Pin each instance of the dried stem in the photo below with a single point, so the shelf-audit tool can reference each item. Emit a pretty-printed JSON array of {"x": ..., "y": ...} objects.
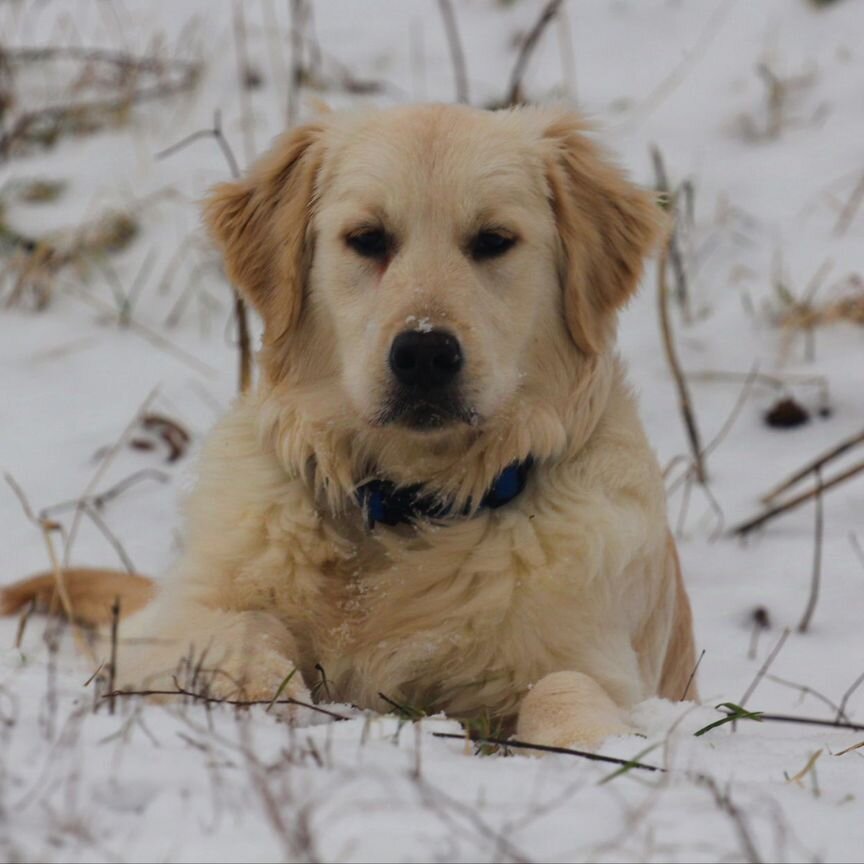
[
  {"x": 457, "y": 55},
  {"x": 815, "y": 582},
  {"x": 815, "y": 465},
  {"x": 676, "y": 258},
  {"x": 675, "y": 366},
  {"x": 545, "y": 748},
  {"x": 792, "y": 503},
  {"x": 529, "y": 43},
  {"x": 241, "y": 316},
  {"x": 212, "y": 700},
  {"x": 763, "y": 669}
]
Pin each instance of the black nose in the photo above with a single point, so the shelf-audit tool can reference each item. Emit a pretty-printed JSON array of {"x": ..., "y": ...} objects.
[{"x": 425, "y": 361}]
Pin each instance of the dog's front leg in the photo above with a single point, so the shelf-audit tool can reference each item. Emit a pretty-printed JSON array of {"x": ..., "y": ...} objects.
[
  {"x": 569, "y": 709},
  {"x": 226, "y": 654}
]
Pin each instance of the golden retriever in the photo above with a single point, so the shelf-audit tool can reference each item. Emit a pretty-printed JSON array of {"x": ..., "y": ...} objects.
[{"x": 440, "y": 490}]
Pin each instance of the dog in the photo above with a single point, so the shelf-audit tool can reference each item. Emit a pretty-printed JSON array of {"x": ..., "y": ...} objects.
[{"x": 440, "y": 490}]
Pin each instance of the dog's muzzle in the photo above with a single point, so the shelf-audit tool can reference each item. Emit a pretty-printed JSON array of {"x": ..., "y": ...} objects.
[{"x": 426, "y": 367}]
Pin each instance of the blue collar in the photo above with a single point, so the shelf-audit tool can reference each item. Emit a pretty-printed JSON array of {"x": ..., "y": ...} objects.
[{"x": 385, "y": 502}]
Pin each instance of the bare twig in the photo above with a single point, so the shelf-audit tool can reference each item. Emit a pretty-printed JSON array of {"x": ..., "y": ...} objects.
[
  {"x": 692, "y": 676},
  {"x": 241, "y": 316},
  {"x": 725, "y": 803},
  {"x": 457, "y": 55},
  {"x": 236, "y": 703},
  {"x": 544, "y": 748},
  {"x": 792, "y": 503},
  {"x": 815, "y": 465},
  {"x": 529, "y": 43},
  {"x": 841, "y": 710},
  {"x": 675, "y": 367},
  {"x": 763, "y": 669},
  {"x": 815, "y": 582},
  {"x": 806, "y": 690}
]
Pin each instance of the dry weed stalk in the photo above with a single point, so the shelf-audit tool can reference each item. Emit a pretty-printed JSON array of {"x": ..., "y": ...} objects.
[
  {"x": 684, "y": 401},
  {"x": 241, "y": 315},
  {"x": 457, "y": 55},
  {"x": 515, "y": 94}
]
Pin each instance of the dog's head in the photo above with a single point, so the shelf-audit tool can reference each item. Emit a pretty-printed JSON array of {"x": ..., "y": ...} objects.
[{"x": 431, "y": 267}]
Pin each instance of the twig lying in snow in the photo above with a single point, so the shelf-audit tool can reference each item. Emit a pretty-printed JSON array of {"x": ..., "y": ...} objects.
[
  {"x": 792, "y": 503},
  {"x": 806, "y": 690},
  {"x": 241, "y": 316},
  {"x": 236, "y": 703},
  {"x": 529, "y": 43},
  {"x": 544, "y": 748},
  {"x": 684, "y": 402},
  {"x": 814, "y": 465},
  {"x": 457, "y": 55},
  {"x": 733, "y": 715}
]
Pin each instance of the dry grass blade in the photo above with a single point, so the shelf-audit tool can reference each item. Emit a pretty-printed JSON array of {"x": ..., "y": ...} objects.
[{"x": 544, "y": 748}]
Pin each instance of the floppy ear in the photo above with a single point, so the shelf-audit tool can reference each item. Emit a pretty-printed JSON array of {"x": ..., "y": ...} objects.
[
  {"x": 607, "y": 226},
  {"x": 261, "y": 224}
]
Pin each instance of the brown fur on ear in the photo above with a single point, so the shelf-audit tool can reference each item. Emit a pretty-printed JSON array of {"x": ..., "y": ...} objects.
[
  {"x": 261, "y": 224},
  {"x": 607, "y": 226}
]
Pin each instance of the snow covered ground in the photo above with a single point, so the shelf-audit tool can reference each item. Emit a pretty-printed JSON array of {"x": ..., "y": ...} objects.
[{"x": 760, "y": 106}]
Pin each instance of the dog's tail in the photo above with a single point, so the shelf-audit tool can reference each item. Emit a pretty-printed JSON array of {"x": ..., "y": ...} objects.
[{"x": 85, "y": 594}]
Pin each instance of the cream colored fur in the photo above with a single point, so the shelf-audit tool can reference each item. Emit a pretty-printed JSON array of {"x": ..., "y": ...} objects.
[{"x": 558, "y": 609}]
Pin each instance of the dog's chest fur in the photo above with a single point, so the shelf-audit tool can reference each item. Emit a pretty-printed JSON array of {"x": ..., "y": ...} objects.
[{"x": 448, "y": 617}]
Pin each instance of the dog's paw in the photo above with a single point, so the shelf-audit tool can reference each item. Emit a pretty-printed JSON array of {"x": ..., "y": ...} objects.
[{"x": 569, "y": 709}]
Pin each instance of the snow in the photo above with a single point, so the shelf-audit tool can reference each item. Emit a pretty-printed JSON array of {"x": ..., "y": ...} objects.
[{"x": 183, "y": 783}]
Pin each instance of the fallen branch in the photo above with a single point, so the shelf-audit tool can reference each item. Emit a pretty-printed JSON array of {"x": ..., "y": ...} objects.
[
  {"x": 545, "y": 748},
  {"x": 213, "y": 700},
  {"x": 815, "y": 465},
  {"x": 791, "y": 504}
]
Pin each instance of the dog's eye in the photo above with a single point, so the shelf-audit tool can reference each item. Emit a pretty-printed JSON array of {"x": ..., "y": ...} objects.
[
  {"x": 370, "y": 243},
  {"x": 491, "y": 244}
]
